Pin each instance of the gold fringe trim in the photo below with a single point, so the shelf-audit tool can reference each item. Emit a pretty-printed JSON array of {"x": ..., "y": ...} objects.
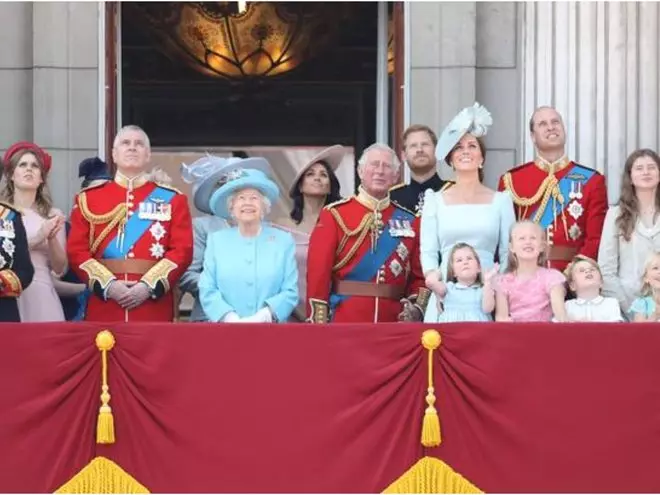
[
  {"x": 431, "y": 425},
  {"x": 431, "y": 475},
  {"x": 105, "y": 425},
  {"x": 102, "y": 476}
]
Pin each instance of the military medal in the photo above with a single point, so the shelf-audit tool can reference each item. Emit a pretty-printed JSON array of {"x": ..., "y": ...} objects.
[
  {"x": 574, "y": 232},
  {"x": 420, "y": 203},
  {"x": 7, "y": 229},
  {"x": 155, "y": 210},
  {"x": 575, "y": 210},
  {"x": 9, "y": 247},
  {"x": 396, "y": 268},
  {"x": 157, "y": 231},
  {"x": 407, "y": 229},
  {"x": 395, "y": 228},
  {"x": 157, "y": 250},
  {"x": 402, "y": 251}
]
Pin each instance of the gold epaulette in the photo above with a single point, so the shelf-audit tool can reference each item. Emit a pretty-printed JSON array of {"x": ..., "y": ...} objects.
[
  {"x": 168, "y": 187},
  {"x": 447, "y": 185},
  {"x": 397, "y": 186},
  {"x": 402, "y": 208},
  {"x": 337, "y": 203}
]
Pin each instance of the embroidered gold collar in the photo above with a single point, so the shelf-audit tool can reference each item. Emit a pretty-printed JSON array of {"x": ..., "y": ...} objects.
[
  {"x": 130, "y": 183},
  {"x": 365, "y": 199},
  {"x": 552, "y": 167}
]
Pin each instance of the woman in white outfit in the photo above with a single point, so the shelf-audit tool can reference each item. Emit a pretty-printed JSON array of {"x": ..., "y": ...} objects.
[{"x": 632, "y": 228}]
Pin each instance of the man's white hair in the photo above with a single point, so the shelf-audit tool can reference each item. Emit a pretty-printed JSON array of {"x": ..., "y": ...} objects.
[
  {"x": 266, "y": 205},
  {"x": 131, "y": 127},
  {"x": 396, "y": 163}
]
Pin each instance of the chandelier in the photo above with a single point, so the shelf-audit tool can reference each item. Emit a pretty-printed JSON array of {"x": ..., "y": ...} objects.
[{"x": 256, "y": 39}]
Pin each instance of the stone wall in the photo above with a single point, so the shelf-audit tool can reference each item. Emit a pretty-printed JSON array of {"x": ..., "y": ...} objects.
[
  {"x": 464, "y": 52},
  {"x": 49, "y": 84}
]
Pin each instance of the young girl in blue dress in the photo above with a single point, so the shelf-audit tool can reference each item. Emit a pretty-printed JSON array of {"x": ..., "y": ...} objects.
[{"x": 468, "y": 294}]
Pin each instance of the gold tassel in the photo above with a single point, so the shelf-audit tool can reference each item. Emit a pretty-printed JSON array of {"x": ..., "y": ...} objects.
[
  {"x": 105, "y": 425},
  {"x": 102, "y": 476},
  {"x": 431, "y": 426},
  {"x": 431, "y": 475}
]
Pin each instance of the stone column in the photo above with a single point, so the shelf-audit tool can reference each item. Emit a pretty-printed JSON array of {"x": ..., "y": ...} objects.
[
  {"x": 443, "y": 62},
  {"x": 498, "y": 84},
  {"x": 65, "y": 89},
  {"x": 464, "y": 52},
  {"x": 597, "y": 63},
  {"x": 15, "y": 73}
]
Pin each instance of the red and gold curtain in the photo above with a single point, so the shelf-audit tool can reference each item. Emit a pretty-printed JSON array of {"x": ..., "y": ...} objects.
[{"x": 300, "y": 408}]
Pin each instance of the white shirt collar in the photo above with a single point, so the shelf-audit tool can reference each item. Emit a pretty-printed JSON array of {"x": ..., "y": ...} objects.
[{"x": 591, "y": 302}]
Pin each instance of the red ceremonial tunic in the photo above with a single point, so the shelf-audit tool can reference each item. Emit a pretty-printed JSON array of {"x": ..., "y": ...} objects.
[
  {"x": 340, "y": 240},
  {"x": 158, "y": 257},
  {"x": 579, "y": 228}
]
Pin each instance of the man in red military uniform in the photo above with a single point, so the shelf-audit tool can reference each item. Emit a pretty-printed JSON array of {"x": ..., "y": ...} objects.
[
  {"x": 363, "y": 263},
  {"x": 567, "y": 199},
  {"x": 130, "y": 239}
]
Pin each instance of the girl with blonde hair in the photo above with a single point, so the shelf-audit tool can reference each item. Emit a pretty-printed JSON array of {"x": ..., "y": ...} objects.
[
  {"x": 529, "y": 291},
  {"x": 646, "y": 307}
]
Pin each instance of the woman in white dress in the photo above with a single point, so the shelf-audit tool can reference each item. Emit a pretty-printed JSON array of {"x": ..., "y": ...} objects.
[
  {"x": 466, "y": 212},
  {"x": 315, "y": 186},
  {"x": 631, "y": 231}
]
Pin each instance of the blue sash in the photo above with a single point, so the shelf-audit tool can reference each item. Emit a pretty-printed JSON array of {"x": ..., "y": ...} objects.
[
  {"x": 367, "y": 268},
  {"x": 135, "y": 227},
  {"x": 577, "y": 173}
]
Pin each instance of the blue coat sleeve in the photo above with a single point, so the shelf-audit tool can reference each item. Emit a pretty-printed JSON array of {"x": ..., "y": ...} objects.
[
  {"x": 284, "y": 302},
  {"x": 210, "y": 297}
]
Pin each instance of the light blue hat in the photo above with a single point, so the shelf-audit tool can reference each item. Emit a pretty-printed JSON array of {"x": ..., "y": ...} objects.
[
  {"x": 475, "y": 119},
  {"x": 235, "y": 178},
  {"x": 205, "y": 173}
]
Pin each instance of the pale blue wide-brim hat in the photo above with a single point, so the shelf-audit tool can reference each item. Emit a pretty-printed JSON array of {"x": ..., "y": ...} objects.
[
  {"x": 236, "y": 178},
  {"x": 205, "y": 174},
  {"x": 474, "y": 120}
]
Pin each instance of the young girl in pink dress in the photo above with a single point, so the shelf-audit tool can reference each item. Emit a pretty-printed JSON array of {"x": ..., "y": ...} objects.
[{"x": 528, "y": 291}]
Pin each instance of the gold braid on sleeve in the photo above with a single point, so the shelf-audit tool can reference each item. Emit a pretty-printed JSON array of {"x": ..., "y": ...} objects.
[
  {"x": 363, "y": 230},
  {"x": 113, "y": 218}
]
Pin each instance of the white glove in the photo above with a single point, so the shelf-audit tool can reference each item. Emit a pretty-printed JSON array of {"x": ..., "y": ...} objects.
[
  {"x": 262, "y": 316},
  {"x": 231, "y": 317}
]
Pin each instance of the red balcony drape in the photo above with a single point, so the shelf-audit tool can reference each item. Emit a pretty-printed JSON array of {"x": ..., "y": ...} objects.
[{"x": 301, "y": 408}]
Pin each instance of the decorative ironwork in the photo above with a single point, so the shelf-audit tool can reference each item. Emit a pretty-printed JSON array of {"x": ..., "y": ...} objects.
[{"x": 267, "y": 39}]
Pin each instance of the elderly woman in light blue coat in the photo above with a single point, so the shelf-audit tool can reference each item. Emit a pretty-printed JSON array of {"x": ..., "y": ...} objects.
[{"x": 250, "y": 272}]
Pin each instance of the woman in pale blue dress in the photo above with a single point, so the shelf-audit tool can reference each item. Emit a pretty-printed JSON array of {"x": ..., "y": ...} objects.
[{"x": 466, "y": 212}]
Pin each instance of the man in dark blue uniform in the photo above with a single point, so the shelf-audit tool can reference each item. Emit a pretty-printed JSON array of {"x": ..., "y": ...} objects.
[
  {"x": 419, "y": 143},
  {"x": 16, "y": 270}
]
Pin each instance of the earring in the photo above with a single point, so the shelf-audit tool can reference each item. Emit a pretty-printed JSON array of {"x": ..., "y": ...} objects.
[{"x": 481, "y": 165}]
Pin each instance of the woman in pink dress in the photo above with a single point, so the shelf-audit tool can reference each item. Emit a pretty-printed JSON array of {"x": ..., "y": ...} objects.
[
  {"x": 314, "y": 187},
  {"x": 26, "y": 171}
]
